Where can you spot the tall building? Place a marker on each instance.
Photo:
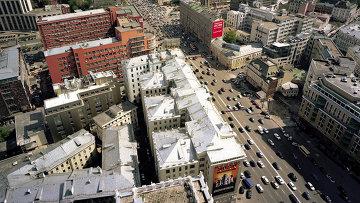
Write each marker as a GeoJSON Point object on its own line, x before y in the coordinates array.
{"type": "Point", "coordinates": [202, 21]}
{"type": "Point", "coordinates": [185, 131]}
{"type": "Point", "coordinates": [14, 90]}
{"type": "Point", "coordinates": [354, 53]}
{"type": "Point", "coordinates": [330, 104]}
{"type": "Point", "coordinates": [78, 101]}
{"type": "Point", "coordinates": [347, 36]}
{"type": "Point", "coordinates": [344, 11]}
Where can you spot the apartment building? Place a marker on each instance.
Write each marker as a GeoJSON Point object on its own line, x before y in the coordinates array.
{"type": "Point", "coordinates": [347, 36]}
{"type": "Point", "coordinates": [118, 115]}
{"type": "Point", "coordinates": [330, 104]}
{"type": "Point", "coordinates": [354, 53]}
{"type": "Point", "coordinates": [344, 11]}
{"type": "Point", "coordinates": [189, 131]}
{"type": "Point", "coordinates": [30, 130]}
{"type": "Point", "coordinates": [14, 89]}
{"type": "Point", "coordinates": [252, 14]}
{"type": "Point", "coordinates": [233, 56]}
{"type": "Point", "coordinates": [137, 66]}
{"type": "Point", "coordinates": [301, 6]}
{"type": "Point", "coordinates": [205, 23]}
{"type": "Point", "coordinates": [78, 101]}
{"type": "Point", "coordinates": [264, 32]}
{"type": "Point", "coordinates": [324, 7]}
{"type": "Point", "coordinates": [235, 19]}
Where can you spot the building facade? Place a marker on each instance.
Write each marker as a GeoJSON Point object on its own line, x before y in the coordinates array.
{"type": "Point", "coordinates": [347, 36]}
{"type": "Point", "coordinates": [301, 6]}
{"type": "Point", "coordinates": [344, 11]}
{"type": "Point", "coordinates": [235, 19]}
{"type": "Point", "coordinates": [289, 89]}
{"type": "Point", "coordinates": [14, 89]}
{"type": "Point", "coordinates": [354, 53]}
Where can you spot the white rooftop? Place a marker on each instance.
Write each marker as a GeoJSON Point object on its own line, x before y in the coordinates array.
{"type": "Point", "coordinates": [152, 80]}
{"type": "Point", "coordinates": [289, 85]}
{"type": "Point", "coordinates": [73, 15]}
{"type": "Point", "coordinates": [9, 63]}
{"type": "Point", "coordinates": [159, 107]}
{"type": "Point", "coordinates": [234, 51]}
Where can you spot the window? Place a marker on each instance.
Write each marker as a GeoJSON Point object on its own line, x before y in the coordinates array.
{"type": "Point", "coordinates": [192, 166]}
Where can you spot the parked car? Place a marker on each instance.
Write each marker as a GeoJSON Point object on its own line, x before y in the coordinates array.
{"type": "Point", "coordinates": [251, 119]}
{"type": "Point", "coordinates": [250, 141]}
{"type": "Point", "coordinates": [259, 188]}
{"type": "Point", "coordinates": [271, 142]}
{"type": "Point", "coordinates": [279, 180]}
{"type": "Point", "coordinates": [246, 163]}
{"type": "Point", "coordinates": [261, 121]}
{"type": "Point", "coordinates": [248, 128]}
{"type": "Point", "coordinates": [306, 195]}
{"type": "Point", "coordinates": [265, 180]}
{"type": "Point", "coordinates": [260, 154]}
{"type": "Point", "coordinates": [248, 194]}
{"type": "Point", "coordinates": [247, 174]}
{"type": "Point", "coordinates": [310, 186]}
{"type": "Point", "coordinates": [230, 118]}
{"type": "Point", "coordinates": [241, 190]}
{"type": "Point", "coordinates": [277, 136]}
{"type": "Point", "coordinates": [276, 166]}
{"type": "Point", "coordinates": [252, 163]}
{"type": "Point", "coordinates": [292, 186]}
{"type": "Point", "coordinates": [247, 146]}
{"type": "Point", "coordinates": [274, 185]}
{"type": "Point", "coordinates": [292, 177]}
{"type": "Point", "coordinates": [260, 164]}
{"type": "Point", "coordinates": [241, 130]}
{"type": "Point", "coordinates": [279, 154]}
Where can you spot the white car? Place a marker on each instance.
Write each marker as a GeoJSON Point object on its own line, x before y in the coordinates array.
{"type": "Point", "coordinates": [292, 186]}
{"type": "Point", "coordinates": [271, 142]}
{"type": "Point", "coordinates": [259, 188]}
{"type": "Point", "coordinates": [261, 130]}
{"type": "Point", "coordinates": [264, 180]}
{"type": "Point", "coordinates": [228, 106]}
{"type": "Point", "coordinates": [246, 163]}
{"type": "Point", "coordinates": [266, 130]}
{"type": "Point", "coordinates": [249, 111]}
{"type": "Point", "coordinates": [250, 141]}
{"type": "Point", "coordinates": [277, 136]}
{"type": "Point", "coordinates": [279, 180]}
{"type": "Point", "coordinates": [310, 185]}
{"type": "Point", "coordinates": [260, 164]}
{"type": "Point", "coordinates": [242, 176]}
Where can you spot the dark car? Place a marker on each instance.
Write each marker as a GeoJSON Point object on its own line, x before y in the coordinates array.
{"type": "Point", "coordinates": [293, 177]}
{"type": "Point", "coordinates": [252, 163]}
{"type": "Point", "coordinates": [326, 198]}
{"type": "Point", "coordinates": [232, 125]}
{"type": "Point", "coordinates": [228, 98]}
{"type": "Point", "coordinates": [230, 118]}
{"type": "Point", "coordinates": [276, 166]}
{"type": "Point", "coordinates": [202, 72]}
{"type": "Point", "coordinates": [261, 121]}
{"type": "Point", "coordinates": [206, 83]}
{"type": "Point", "coordinates": [293, 198]}
{"type": "Point", "coordinates": [219, 92]}
{"type": "Point", "coordinates": [248, 194]}
{"type": "Point", "coordinates": [247, 174]}
{"type": "Point", "coordinates": [259, 154]}
{"type": "Point", "coordinates": [306, 195]}
{"type": "Point", "coordinates": [222, 89]}
{"type": "Point", "coordinates": [222, 112]}
{"type": "Point", "coordinates": [212, 83]}
{"type": "Point", "coordinates": [251, 108]}
{"type": "Point", "coordinates": [279, 154]}
{"type": "Point", "coordinates": [241, 130]}
{"type": "Point", "coordinates": [248, 128]}
{"type": "Point", "coordinates": [247, 146]}
{"type": "Point", "coordinates": [241, 189]}
{"type": "Point", "coordinates": [251, 119]}
{"type": "Point", "coordinates": [201, 77]}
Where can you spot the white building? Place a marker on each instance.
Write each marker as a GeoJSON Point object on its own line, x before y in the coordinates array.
{"type": "Point", "coordinates": [235, 19]}
{"type": "Point", "coordinates": [289, 89]}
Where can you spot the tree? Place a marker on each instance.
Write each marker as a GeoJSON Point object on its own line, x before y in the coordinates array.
{"type": "Point", "coordinates": [230, 37]}
{"type": "Point", "coordinates": [4, 133]}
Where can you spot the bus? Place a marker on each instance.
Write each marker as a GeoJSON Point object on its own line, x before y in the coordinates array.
{"type": "Point", "coordinates": [305, 151]}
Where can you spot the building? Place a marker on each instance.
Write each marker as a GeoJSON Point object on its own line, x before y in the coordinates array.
{"type": "Point", "coordinates": [242, 36]}
{"type": "Point", "coordinates": [204, 23]}
{"type": "Point", "coordinates": [234, 4]}
{"type": "Point", "coordinates": [235, 19]}
{"type": "Point", "coordinates": [78, 101]}
{"type": "Point", "coordinates": [344, 11]}
{"type": "Point", "coordinates": [263, 32]}
{"type": "Point", "coordinates": [347, 36]}
{"type": "Point", "coordinates": [30, 130]}
{"type": "Point", "coordinates": [324, 7]}
{"type": "Point", "coordinates": [289, 89]}
{"type": "Point", "coordinates": [330, 104]}
{"type": "Point", "coordinates": [301, 6]}
{"type": "Point", "coordinates": [118, 115]}
{"type": "Point", "coordinates": [354, 53]}
{"type": "Point", "coordinates": [234, 56]}
{"type": "Point", "coordinates": [163, 2]}
{"type": "Point", "coordinates": [263, 75]}
{"type": "Point", "coordinates": [14, 90]}
{"type": "Point", "coordinates": [135, 67]}
{"type": "Point", "coordinates": [325, 48]}
{"type": "Point", "coordinates": [217, 4]}
{"type": "Point", "coordinates": [188, 133]}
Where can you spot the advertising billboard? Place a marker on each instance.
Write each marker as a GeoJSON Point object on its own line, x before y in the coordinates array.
{"type": "Point", "coordinates": [217, 28]}
{"type": "Point", "coordinates": [224, 178]}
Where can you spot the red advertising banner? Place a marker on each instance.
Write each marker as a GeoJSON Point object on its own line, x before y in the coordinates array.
{"type": "Point", "coordinates": [217, 29]}
{"type": "Point", "coordinates": [224, 178]}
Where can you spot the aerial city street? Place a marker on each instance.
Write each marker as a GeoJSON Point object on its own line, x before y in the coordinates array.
{"type": "Point", "coordinates": [180, 101]}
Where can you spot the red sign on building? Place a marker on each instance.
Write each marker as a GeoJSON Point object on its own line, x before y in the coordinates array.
{"type": "Point", "coordinates": [217, 28]}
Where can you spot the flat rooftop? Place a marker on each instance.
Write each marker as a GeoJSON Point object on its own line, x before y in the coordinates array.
{"type": "Point", "coordinates": [332, 50]}
{"type": "Point", "coordinates": [113, 112]}
{"type": "Point", "coordinates": [339, 66]}
{"type": "Point", "coordinates": [204, 10]}
{"type": "Point", "coordinates": [159, 107]}
{"type": "Point", "coordinates": [152, 80]}
{"type": "Point", "coordinates": [234, 51]}
{"type": "Point", "coordinates": [348, 87]}
{"type": "Point", "coordinates": [73, 15]}
{"type": "Point", "coordinates": [9, 63]}
{"type": "Point", "coordinates": [353, 30]}
{"type": "Point", "coordinates": [129, 10]}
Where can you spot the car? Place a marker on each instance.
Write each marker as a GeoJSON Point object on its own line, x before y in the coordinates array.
{"type": "Point", "coordinates": [247, 174]}
{"type": "Point", "coordinates": [196, 70]}
{"type": "Point", "coordinates": [224, 81]}
{"type": "Point", "coordinates": [265, 130]}
{"type": "Point", "coordinates": [231, 90]}
{"type": "Point", "coordinates": [202, 72]}
{"type": "Point", "coordinates": [294, 155]}
{"type": "Point", "coordinates": [271, 142]}
{"type": "Point", "coordinates": [234, 98]}
{"type": "Point", "coordinates": [251, 109]}
{"type": "Point", "coordinates": [241, 190]}
{"type": "Point", "coordinates": [248, 194]}
{"type": "Point", "coordinates": [260, 154]}
{"type": "Point", "coordinates": [259, 188]}
{"type": "Point", "coordinates": [232, 125]}
{"type": "Point", "coordinates": [212, 83]}
{"type": "Point", "coordinates": [253, 101]}
{"type": "Point", "coordinates": [228, 106]}
{"type": "Point", "coordinates": [251, 119]}
{"type": "Point", "coordinates": [276, 166]}
{"type": "Point", "coordinates": [241, 130]}
{"type": "Point", "coordinates": [248, 128]}
{"type": "Point", "coordinates": [247, 146]}
{"type": "Point", "coordinates": [208, 73]}
{"type": "Point", "coordinates": [265, 180]}
{"type": "Point", "coordinates": [290, 138]}
{"type": "Point", "coordinates": [260, 164]}
{"type": "Point", "coordinates": [201, 82]}
{"type": "Point", "coordinates": [326, 198]}
{"type": "Point", "coordinates": [261, 121]}
{"type": "Point", "coordinates": [267, 116]}
{"type": "Point", "coordinates": [277, 136]}
{"type": "Point", "coordinates": [310, 186]}
{"type": "Point", "coordinates": [230, 118]}
{"type": "Point", "coordinates": [213, 99]}
{"type": "Point", "coordinates": [246, 163]}
{"type": "Point", "coordinates": [250, 141]}
{"type": "Point", "coordinates": [274, 185]}
{"type": "Point", "coordinates": [286, 135]}
{"type": "Point", "coordinates": [213, 74]}
{"type": "Point", "coordinates": [205, 83]}
{"type": "Point", "coordinates": [330, 178]}
{"type": "Point", "coordinates": [248, 111]}
{"type": "Point", "coordinates": [214, 80]}
{"type": "Point", "coordinates": [219, 92]}
{"type": "Point", "coordinates": [252, 163]}
{"type": "Point", "coordinates": [222, 112]}
{"type": "Point", "coordinates": [295, 144]}
{"type": "Point", "coordinates": [239, 96]}
{"type": "Point", "coordinates": [279, 154]}
{"type": "Point", "coordinates": [222, 89]}
{"type": "Point", "coordinates": [306, 195]}
{"type": "Point", "coordinates": [228, 98]}
{"type": "Point", "coordinates": [292, 186]}
{"type": "Point", "coordinates": [293, 199]}
{"type": "Point", "coordinates": [280, 180]}
{"type": "Point", "coordinates": [201, 77]}
{"type": "Point", "coordinates": [242, 176]}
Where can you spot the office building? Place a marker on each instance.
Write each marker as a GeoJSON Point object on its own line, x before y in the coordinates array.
{"type": "Point", "coordinates": [330, 104]}
{"type": "Point", "coordinates": [14, 89]}
{"type": "Point", "coordinates": [118, 115]}
{"type": "Point", "coordinates": [30, 130]}
{"type": "Point", "coordinates": [253, 14]}
{"type": "Point", "coordinates": [354, 53]}
{"type": "Point", "coordinates": [235, 19]}
{"type": "Point", "coordinates": [344, 11]}
{"type": "Point", "coordinates": [325, 48]}
{"type": "Point", "coordinates": [263, 74]}
{"type": "Point", "coordinates": [78, 101]}
{"type": "Point", "coordinates": [135, 67]}
{"type": "Point", "coordinates": [186, 132]}
{"type": "Point", "coordinates": [289, 89]}
{"type": "Point", "coordinates": [263, 32]}
{"type": "Point", "coordinates": [324, 7]}
{"type": "Point", "coordinates": [233, 56]}
{"type": "Point", "coordinates": [301, 6]}
{"type": "Point", "coordinates": [347, 36]}
{"type": "Point", "coordinates": [205, 23]}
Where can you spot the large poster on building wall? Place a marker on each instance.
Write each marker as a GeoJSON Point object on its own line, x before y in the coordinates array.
{"type": "Point", "coordinates": [217, 28]}
{"type": "Point", "coordinates": [224, 178]}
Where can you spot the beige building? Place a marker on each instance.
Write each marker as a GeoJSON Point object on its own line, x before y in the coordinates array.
{"type": "Point", "coordinates": [354, 53]}
{"type": "Point", "coordinates": [264, 32]}
{"type": "Point", "coordinates": [289, 89]}
{"type": "Point", "coordinates": [117, 115]}
{"type": "Point", "coordinates": [30, 130]}
{"type": "Point", "coordinates": [235, 19]}
{"type": "Point", "coordinates": [233, 56]}
{"type": "Point", "coordinates": [243, 37]}
{"type": "Point", "coordinates": [78, 101]}
{"type": "Point", "coordinates": [330, 104]}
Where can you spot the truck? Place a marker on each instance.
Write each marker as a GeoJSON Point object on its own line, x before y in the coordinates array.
{"type": "Point", "coordinates": [248, 183]}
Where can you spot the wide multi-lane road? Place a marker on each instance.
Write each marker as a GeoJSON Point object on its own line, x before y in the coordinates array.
{"type": "Point", "coordinates": [240, 119]}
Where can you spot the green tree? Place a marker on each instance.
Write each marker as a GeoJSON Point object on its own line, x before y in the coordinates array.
{"type": "Point", "coordinates": [230, 37]}
{"type": "Point", "coordinates": [4, 133]}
